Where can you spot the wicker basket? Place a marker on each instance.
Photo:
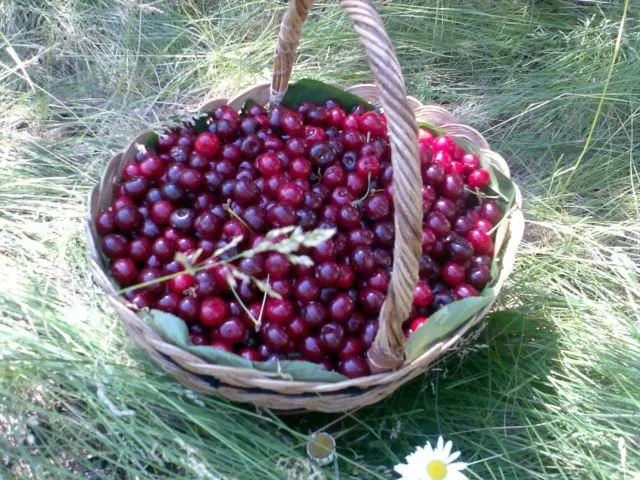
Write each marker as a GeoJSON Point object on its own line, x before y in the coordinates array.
{"type": "Point", "coordinates": [386, 355]}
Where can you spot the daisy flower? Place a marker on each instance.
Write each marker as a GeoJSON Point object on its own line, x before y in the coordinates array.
{"type": "Point", "coordinates": [427, 463]}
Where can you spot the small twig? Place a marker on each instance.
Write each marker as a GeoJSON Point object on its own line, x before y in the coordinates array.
{"type": "Point", "coordinates": [366, 194]}
{"type": "Point", "coordinates": [227, 207]}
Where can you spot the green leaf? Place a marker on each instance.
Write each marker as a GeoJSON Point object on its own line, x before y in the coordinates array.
{"type": "Point", "coordinates": [309, 90]}
{"type": "Point", "coordinates": [501, 234]}
{"type": "Point", "coordinates": [175, 331]}
{"type": "Point", "coordinates": [301, 370]}
{"type": "Point", "coordinates": [152, 140]}
{"type": "Point", "coordinates": [250, 102]}
{"type": "Point", "coordinates": [200, 122]}
{"type": "Point", "coordinates": [500, 184]}
{"type": "Point", "coordinates": [445, 321]}
{"type": "Point", "coordinates": [431, 127]}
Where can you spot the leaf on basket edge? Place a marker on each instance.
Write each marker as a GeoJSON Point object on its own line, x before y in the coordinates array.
{"type": "Point", "coordinates": [246, 105]}
{"type": "Point", "coordinates": [175, 331]}
{"type": "Point", "coordinates": [310, 90]}
{"type": "Point", "coordinates": [445, 321]}
{"type": "Point", "coordinates": [431, 127]}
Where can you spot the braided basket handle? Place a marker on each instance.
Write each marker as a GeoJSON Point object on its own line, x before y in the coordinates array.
{"type": "Point", "coordinates": [387, 350]}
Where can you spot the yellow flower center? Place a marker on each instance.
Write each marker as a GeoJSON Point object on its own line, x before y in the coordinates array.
{"type": "Point", "coordinates": [437, 469]}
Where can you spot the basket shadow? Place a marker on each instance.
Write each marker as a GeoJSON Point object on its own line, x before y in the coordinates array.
{"type": "Point", "coordinates": [486, 385]}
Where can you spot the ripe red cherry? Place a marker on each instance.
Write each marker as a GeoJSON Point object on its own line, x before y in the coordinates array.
{"type": "Point", "coordinates": [127, 218]}
{"type": "Point", "coordinates": [307, 289]}
{"type": "Point", "coordinates": [443, 158]}
{"type": "Point", "coordinates": [314, 134]}
{"type": "Point", "coordinates": [331, 337]}
{"type": "Point", "coordinates": [251, 354]}
{"type": "Point", "coordinates": [348, 217]}
{"type": "Point", "coordinates": [283, 287]}
{"type": "Point", "coordinates": [346, 277]}
{"type": "Point", "coordinates": [371, 300]}
{"type": "Point", "coordinates": [422, 295]}
{"type": "Point", "coordinates": [205, 283]}
{"type": "Point", "coordinates": [277, 266]}
{"type": "Point", "coordinates": [369, 332]}
{"type": "Point", "coordinates": [438, 224]}
{"type": "Point", "coordinates": [491, 211]}
{"type": "Point", "coordinates": [370, 123]}
{"type": "Point", "coordinates": [281, 215]}
{"type": "Point", "coordinates": [300, 168]}
{"type": "Point", "coordinates": [292, 124]}
{"type": "Point", "coordinates": [327, 274]}
{"type": "Point", "coordinates": [324, 252]}
{"type": "Point", "coordinates": [479, 178]}
{"type": "Point", "coordinates": [465, 290]}
{"type": "Point", "coordinates": [341, 308]}
{"type": "Point", "coordinates": [114, 245]}
{"type": "Point", "coordinates": [353, 367]}
{"type": "Point", "coordinates": [245, 192]}
{"type": "Point", "coordinates": [213, 311]}
{"type": "Point", "coordinates": [416, 323]}
{"type": "Point", "coordinates": [232, 331]}
{"type": "Point", "coordinates": [207, 144]}
{"type": "Point", "coordinates": [479, 276]}
{"type": "Point", "coordinates": [269, 164]}
{"type": "Point", "coordinates": [291, 194]}
{"type": "Point", "coordinates": [314, 314]}
{"type": "Point", "coordinates": [336, 117]}
{"type": "Point", "coordinates": [207, 225]}
{"type": "Point", "coordinates": [298, 328]}
{"type": "Point", "coordinates": [311, 350]}
{"type": "Point", "coordinates": [453, 187]}
{"type": "Point", "coordinates": [160, 212]}
{"type": "Point", "coordinates": [452, 274]}
{"type": "Point", "coordinates": [471, 162]}
{"type": "Point", "coordinates": [275, 337]}
{"type": "Point", "coordinates": [351, 347]}
{"type": "Point", "coordinates": [481, 242]}
{"type": "Point", "coordinates": [377, 207]}
{"type": "Point", "coordinates": [132, 170]}
{"type": "Point", "coordinates": [125, 272]}
{"type": "Point", "coordinates": [105, 222]}
{"type": "Point", "coordinates": [234, 228]}
{"type": "Point", "coordinates": [164, 249]}
{"type": "Point", "coordinates": [181, 283]}
{"type": "Point", "coordinates": [168, 303]}
{"type": "Point", "coordinates": [278, 311]}
{"type": "Point", "coordinates": [352, 140]}
{"type": "Point", "coordinates": [362, 260]}
{"type": "Point", "coordinates": [483, 225]}
{"type": "Point", "coordinates": [368, 165]}
{"type": "Point", "coordinates": [443, 142]}
{"type": "Point", "coordinates": [351, 122]}
{"type": "Point", "coordinates": [140, 249]}
{"type": "Point", "coordinates": [456, 168]}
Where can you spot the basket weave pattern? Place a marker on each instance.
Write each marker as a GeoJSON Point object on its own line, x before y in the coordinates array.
{"type": "Point", "coordinates": [386, 355]}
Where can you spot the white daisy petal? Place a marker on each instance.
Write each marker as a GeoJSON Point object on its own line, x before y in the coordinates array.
{"type": "Point", "coordinates": [427, 449]}
{"type": "Point", "coordinates": [456, 467]}
{"type": "Point", "coordinates": [447, 448]}
{"type": "Point", "coordinates": [453, 457]}
{"type": "Point", "coordinates": [402, 469]}
{"type": "Point", "coordinates": [440, 443]}
{"type": "Point", "coordinates": [457, 476]}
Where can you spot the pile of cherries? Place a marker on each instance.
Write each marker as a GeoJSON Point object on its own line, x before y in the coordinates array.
{"type": "Point", "coordinates": [316, 166]}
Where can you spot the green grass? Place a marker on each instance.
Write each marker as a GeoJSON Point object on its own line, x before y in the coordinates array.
{"type": "Point", "coordinates": [547, 389]}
